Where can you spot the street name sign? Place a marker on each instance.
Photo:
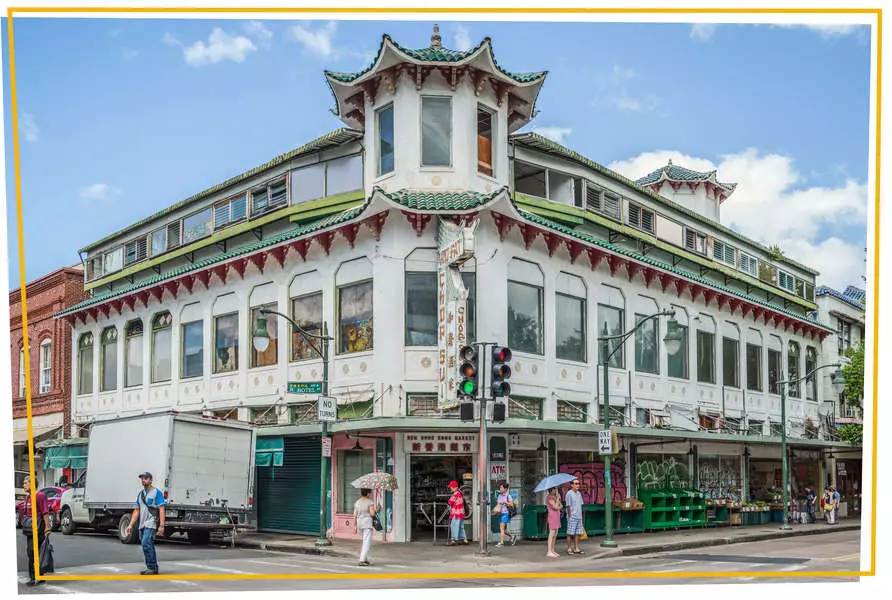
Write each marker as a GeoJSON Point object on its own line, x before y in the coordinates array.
{"type": "Point", "coordinates": [304, 387]}
{"type": "Point", "coordinates": [327, 408]}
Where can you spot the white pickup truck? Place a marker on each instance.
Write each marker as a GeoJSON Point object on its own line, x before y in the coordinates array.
{"type": "Point", "coordinates": [204, 466]}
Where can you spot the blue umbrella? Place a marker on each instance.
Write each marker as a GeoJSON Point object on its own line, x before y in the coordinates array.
{"type": "Point", "coordinates": [556, 480]}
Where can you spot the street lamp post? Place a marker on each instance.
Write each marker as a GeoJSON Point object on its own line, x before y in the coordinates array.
{"type": "Point", "coordinates": [838, 382]}
{"type": "Point", "coordinates": [261, 343]}
{"type": "Point", "coordinates": [672, 341]}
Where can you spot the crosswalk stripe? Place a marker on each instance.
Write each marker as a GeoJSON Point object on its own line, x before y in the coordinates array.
{"type": "Point", "coordinates": [210, 568]}
{"type": "Point", "coordinates": [854, 556]}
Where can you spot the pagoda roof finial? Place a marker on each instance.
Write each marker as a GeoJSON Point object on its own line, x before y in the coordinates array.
{"type": "Point", "coordinates": [436, 40]}
{"type": "Point", "coordinates": [670, 162]}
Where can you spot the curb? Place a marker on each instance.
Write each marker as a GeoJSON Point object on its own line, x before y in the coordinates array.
{"type": "Point", "coordinates": [290, 549]}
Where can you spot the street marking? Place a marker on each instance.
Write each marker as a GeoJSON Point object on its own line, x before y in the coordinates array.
{"type": "Point", "coordinates": [719, 562]}
{"type": "Point", "coordinates": [793, 568]}
{"type": "Point", "coordinates": [854, 556]}
{"type": "Point", "coordinates": [111, 568]}
{"type": "Point", "coordinates": [670, 570]}
{"type": "Point", "coordinates": [210, 568]}
{"type": "Point", "coordinates": [184, 582]}
{"type": "Point", "coordinates": [57, 588]}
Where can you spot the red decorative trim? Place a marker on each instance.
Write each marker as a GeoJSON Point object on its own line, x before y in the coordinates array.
{"type": "Point", "coordinates": [129, 302]}
{"type": "Point", "coordinates": [693, 185]}
{"type": "Point", "coordinates": [632, 269]}
{"type": "Point", "coordinates": [92, 313]}
{"type": "Point", "coordinates": [324, 239]}
{"type": "Point", "coordinates": [552, 242]}
{"type": "Point", "coordinates": [503, 224]}
{"type": "Point", "coordinates": [709, 295]}
{"type": "Point", "coordinates": [721, 300]}
{"type": "Point", "coordinates": [575, 249]}
{"type": "Point", "coordinates": [614, 262]}
{"type": "Point", "coordinates": [173, 287]}
{"type": "Point", "coordinates": [797, 327]}
{"type": "Point", "coordinates": [204, 277]}
{"type": "Point", "coordinates": [375, 223]}
{"type": "Point", "coordinates": [279, 253]}
{"type": "Point", "coordinates": [665, 280]}
{"type": "Point", "coordinates": [116, 305]}
{"type": "Point", "coordinates": [221, 271]}
{"type": "Point", "coordinates": [649, 275]}
{"type": "Point", "coordinates": [680, 286]}
{"type": "Point", "coordinates": [675, 185]}
{"type": "Point", "coordinates": [696, 290]}
{"type": "Point", "coordinates": [143, 298]}
{"type": "Point", "coordinates": [350, 232]}
{"type": "Point", "coordinates": [759, 313]}
{"type": "Point", "coordinates": [70, 319]}
{"type": "Point", "coordinates": [239, 266]}
{"type": "Point", "coordinates": [302, 247]}
{"type": "Point", "coordinates": [157, 292]}
{"type": "Point", "coordinates": [746, 309]}
{"type": "Point", "coordinates": [734, 304]}
{"type": "Point", "coordinates": [418, 221]}
{"type": "Point", "coordinates": [188, 282]}
{"type": "Point", "coordinates": [258, 259]}
{"type": "Point", "coordinates": [594, 257]}
{"type": "Point", "coordinates": [103, 308]}
{"type": "Point", "coordinates": [529, 233]}
{"type": "Point", "coordinates": [822, 335]}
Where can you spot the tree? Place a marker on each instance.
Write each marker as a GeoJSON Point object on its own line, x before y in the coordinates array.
{"type": "Point", "coordinates": [851, 434]}
{"type": "Point", "coordinates": [854, 374]}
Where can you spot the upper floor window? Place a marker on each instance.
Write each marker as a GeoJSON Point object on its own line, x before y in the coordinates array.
{"type": "Point", "coordinates": [612, 318]}
{"type": "Point", "coordinates": [162, 346]}
{"type": "Point", "coordinates": [705, 356]}
{"type": "Point", "coordinates": [94, 268]}
{"type": "Point", "coordinates": [749, 265]}
{"type": "Point", "coordinates": [641, 218]}
{"type": "Point", "coordinates": [114, 260]}
{"type": "Point", "coordinates": [230, 211]}
{"type": "Point", "coordinates": [269, 196]}
{"type": "Point", "coordinates": [306, 312]}
{"type": "Point", "coordinates": [678, 362]}
{"type": "Point", "coordinates": [158, 244]}
{"type": "Point", "coordinates": [695, 241]}
{"type": "Point", "coordinates": [135, 250]}
{"type": "Point", "coordinates": [730, 362]}
{"type": "Point", "coordinates": [133, 353]}
{"type": "Point", "coordinates": [421, 309]}
{"type": "Point", "coordinates": [793, 368]}
{"type": "Point", "coordinates": [198, 225]}
{"type": "Point", "coordinates": [386, 153]}
{"type": "Point", "coordinates": [811, 363]}
{"type": "Point", "coordinates": [724, 253]}
{"type": "Point", "coordinates": [355, 316]}
{"type": "Point", "coordinates": [436, 131]}
{"type": "Point", "coordinates": [525, 327]}
{"type": "Point", "coordinates": [85, 364]}
{"type": "Point", "coordinates": [486, 124]}
{"type": "Point", "coordinates": [754, 367]}
{"type": "Point", "coordinates": [109, 359]}
{"type": "Point", "coordinates": [570, 335]}
{"type": "Point", "coordinates": [646, 346]}
{"type": "Point", "coordinates": [22, 372]}
{"type": "Point", "coordinates": [843, 335]}
{"type": "Point", "coordinates": [192, 360]}
{"type": "Point", "coordinates": [786, 281]}
{"type": "Point", "coordinates": [602, 201]}
{"type": "Point", "coordinates": [46, 365]}
{"type": "Point", "coordinates": [774, 371]}
{"type": "Point", "coordinates": [226, 343]}
{"type": "Point", "coordinates": [270, 355]}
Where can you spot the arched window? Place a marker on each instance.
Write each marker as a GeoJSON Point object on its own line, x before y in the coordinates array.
{"type": "Point", "coordinates": [162, 332]}
{"type": "Point", "coordinates": [133, 358]}
{"type": "Point", "coordinates": [85, 364]}
{"type": "Point", "coordinates": [793, 372]}
{"type": "Point", "coordinates": [46, 365]}
{"type": "Point", "coordinates": [109, 358]}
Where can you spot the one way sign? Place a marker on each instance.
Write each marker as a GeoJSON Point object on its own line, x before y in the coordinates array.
{"type": "Point", "coordinates": [605, 442]}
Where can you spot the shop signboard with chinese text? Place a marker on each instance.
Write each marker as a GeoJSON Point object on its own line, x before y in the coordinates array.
{"type": "Point", "coordinates": [441, 443]}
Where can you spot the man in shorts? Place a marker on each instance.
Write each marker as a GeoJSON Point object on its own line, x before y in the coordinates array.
{"type": "Point", "coordinates": [573, 501]}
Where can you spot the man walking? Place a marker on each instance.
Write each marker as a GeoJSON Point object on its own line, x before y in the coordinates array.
{"type": "Point", "coordinates": [573, 500]}
{"type": "Point", "coordinates": [34, 509]}
{"type": "Point", "coordinates": [810, 498]}
{"type": "Point", "coordinates": [150, 512]}
{"type": "Point", "coordinates": [457, 512]}
{"type": "Point", "coordinates": [835, 498]}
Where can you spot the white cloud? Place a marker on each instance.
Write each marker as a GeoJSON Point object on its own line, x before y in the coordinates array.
{"type": "Point", "coordinates": [28, 128]}
{"type": "Point", "coordinates": [614, 89]}
{"type": "Point", "coordinates": [259, 33]}
{"type": "Point", "coordinates": [556, 134]}
{"type": "Point", "coordinates": [461, 38]}
{"type": "Point", "coordinates": [827, 31]}
{"type": "Point", "coordinates": [99, 191]}
{"type": "Point", "coordinates": [319, 41]}
{"type": "Point", "coordinates": [771, 206]}
{"type": "Point", "coordinates": [129, 52]}
{"type": "Point", "coordinates": [220, 46]}
{"type": "Point", "coordinates": [702, 32]}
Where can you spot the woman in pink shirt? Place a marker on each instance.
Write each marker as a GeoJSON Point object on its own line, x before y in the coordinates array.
{"type": "Point", "coordinates": [553, 505]}
{"type": "Point", "coordinates": [457, 512]}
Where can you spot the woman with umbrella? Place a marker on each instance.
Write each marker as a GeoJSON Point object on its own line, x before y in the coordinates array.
{"type": "Point", "coordinates": [365, 511]}
{"type": "Point", "coordinates": [553, 506]}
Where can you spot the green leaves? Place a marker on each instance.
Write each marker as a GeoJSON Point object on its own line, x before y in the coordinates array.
{"type": "Point", "coordinates": [854, 374]}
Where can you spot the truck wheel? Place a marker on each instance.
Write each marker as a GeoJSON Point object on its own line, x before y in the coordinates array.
{"type": "Point", "coordinates": [66, 523]}
{"type": "Point", "coordinates": [199, 537]}
{"type": "Point", "coordinates": [122, 531]}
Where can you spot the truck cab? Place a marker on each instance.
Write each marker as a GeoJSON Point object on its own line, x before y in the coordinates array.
{"type": "Point", "coordinates": [72, 513]}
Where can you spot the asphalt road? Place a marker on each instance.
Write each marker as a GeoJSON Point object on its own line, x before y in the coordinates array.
{"type": "Point", "coordinates": [99, 554]}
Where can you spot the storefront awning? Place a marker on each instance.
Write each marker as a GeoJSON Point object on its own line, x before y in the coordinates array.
{"type": "Point", "coordinates": [64, 457]}
{"type": "Point", "coordinates": [20, 436]}
{"type": "Point", "coordinates": [270, 451]}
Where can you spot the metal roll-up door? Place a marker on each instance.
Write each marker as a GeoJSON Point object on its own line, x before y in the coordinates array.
{"type": "Point", "coordinates": [288, 496]}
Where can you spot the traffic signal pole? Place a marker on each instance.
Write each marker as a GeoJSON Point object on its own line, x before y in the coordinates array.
{"type": "Point", "coordinates": [482, 456]}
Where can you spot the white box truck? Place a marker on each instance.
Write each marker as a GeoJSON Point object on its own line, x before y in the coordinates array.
{"type": "Point", "coordinates": [204, 466]}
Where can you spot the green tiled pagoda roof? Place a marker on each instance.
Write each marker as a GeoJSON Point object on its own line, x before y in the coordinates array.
{"type": "Point", "coordinates": [676, 173]}
{"type": "Point", "coordinates": [332, 138]}
{"type": "Point", "coordinates": [423, 200]}
{"type": "Point", "coordinates": [436, 55]}
{"type": "Point", "coordinates": [659, 264]}
{"type": "Point", "coordinates": [296, 232]}
{"type": "Point", "coordinates": [538, 142]}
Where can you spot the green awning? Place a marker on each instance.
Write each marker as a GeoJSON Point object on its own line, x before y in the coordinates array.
{"type": "Point", "coordinates": [63, 457]}
{"type": "Point", "coordinates": [270, 451]}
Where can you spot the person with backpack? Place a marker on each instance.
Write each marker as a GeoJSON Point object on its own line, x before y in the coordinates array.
{"type": "Point", "coordinates": [35, 509]}
{"type": "Point", "coordinates": [505, 509]}
{"type": "Point", "coordinates": [458, 512]}
{"type": "Point", "coordinates": [150, 512]}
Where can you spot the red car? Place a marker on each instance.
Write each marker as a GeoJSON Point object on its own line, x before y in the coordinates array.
{"type": "Point", "coordinates": [53, 498]}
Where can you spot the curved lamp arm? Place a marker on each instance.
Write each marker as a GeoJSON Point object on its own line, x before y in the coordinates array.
{"type": "Point", "coordinates": [810, 373]}
{"type": "Point", "coordinates": [301, 330]}
{"type": "Point", "coordinates": [669, 312]}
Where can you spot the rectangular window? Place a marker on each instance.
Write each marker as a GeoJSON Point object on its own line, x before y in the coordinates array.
{"type": "Point", "coordinates": [570, 327]}
{"type": "Point", "coordinates": [470, 281]}
{"type": "Point", "coordinates": [226, 343]}
{"type": "Point", "coordinates": [774, 371]}
{"type": "Point", "coordinates": [809, 292]}
{"type": "Point", "coordinates": [307, 183]}
{"type": "Point", "coordinates": [793, 351]}
{"type": "Point", "coordinates": [730, 362]}
{"type": "Point", "coordinates": [612, 204]}
{"type": "Point", "coordinates": [525, 318]}
{"type": "Point", "coordinates": [193, 349]}
{"type": "Point", "coordinates": [525, 408]}
{"type": "Point", "coordinates": [811, 362]}
{"type": "Point", "coordinates": [114, 260]}
{"type": "Point", "coordinates": [270, 356]}
{"type": "Point", "coordinates": [135, 251]}
{"type": "Point", "coordinates": [109, 356]}
{"type": "Point", "coordinates": [754, 367]}
{"type": "Point", "coordinates": [843, 335]}
{"type": "Point", "coordinates": [641, 218]}
{"type": "Point", "coordinates": [756, 427]}
{"type": "Point", "coordinates": [385, 140]}
{"type": "Point", "coordinates": [198, 225]}
{"type": "Point", "coordinates": [749, 265]}
{"type": "Point", "coordinates": [485, 137]}
{"type": "Point", "coordinates": [695, 241]}
{"type": "Point", "coordinates": [705, 357]}
{"type": "Point", "coordinates": [159, 241]}
{"type": "Point", "coordinates": [646, 346]}
{"type": "Point", "coordinates": [230, 211]}
{"type": "Point", "coordinates": [306, 312]}
{"type": "Point", "coordinates": [786, 281]}
{"type": "Point", "coordinates": [162, 340]}
{"type": "Point", "coordinates": [173, 235]}
{"type": "Point", "coordinates": [133, 354]}
{"type": "Point", "coordinates": [351, 464]}
{"type": "Point", "coordinates": [678, 362]}
{"type": "Point", "coordinates": [421, 309]}
{"type": "Point", "coordinates": [436, 131]}
{"type": "Point", "coordinates": [94, 268]}
{"type": "Point", "coordinates": [576, 412]}
{"type": "Point", "coordinates": [46, 366]}
{"type": "Point", "coordinates": [613, 318]}
{"type": "Point", "coordinates": [85, 364]}
{"type": "Point", "coordinates": [343, 175]}
{"type": "Point", "coordinates": [724, 253]}
{"type": "Point", "coordinates": [269, 196]}
{"type": "Point", "coordinates": [355, 318]}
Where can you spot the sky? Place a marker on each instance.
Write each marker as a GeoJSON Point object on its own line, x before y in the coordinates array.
{"type": "Point", "coordinates": [119, 118]}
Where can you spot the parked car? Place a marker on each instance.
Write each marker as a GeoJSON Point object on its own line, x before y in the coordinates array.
{"type": "Point", "coordinates": [53, 501]}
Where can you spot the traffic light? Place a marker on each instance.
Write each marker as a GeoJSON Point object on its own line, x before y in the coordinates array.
{"type": "Point", "coordinates": [501, 372]}
{"type": "Point", "coordinates": [467, 385]}
{"type": "Point", "coordinates": [467, 411]}
{"type": "Point", "coordinates": [498, 412]}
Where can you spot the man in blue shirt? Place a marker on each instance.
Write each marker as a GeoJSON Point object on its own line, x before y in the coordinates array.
{"type": "Point", "coordinates": [836, 498]}
{"type": "Point", "coordinates": [150, 512]}
{"type": "Point", "coordinates": [573, 500]}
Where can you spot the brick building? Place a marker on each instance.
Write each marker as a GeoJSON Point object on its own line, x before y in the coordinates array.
{"type": "Point", "coordinates": [49, 342]}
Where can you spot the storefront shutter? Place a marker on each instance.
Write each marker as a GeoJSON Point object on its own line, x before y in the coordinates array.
{"type": "Point", "coordinates": [288, 495]}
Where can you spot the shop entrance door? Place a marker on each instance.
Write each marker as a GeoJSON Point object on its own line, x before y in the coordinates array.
{"type": "Point", "coordinates": [429, 494]}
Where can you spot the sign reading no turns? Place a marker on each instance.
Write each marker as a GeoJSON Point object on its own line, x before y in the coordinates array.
{"type": "Point", "coordinates": [327, 408]}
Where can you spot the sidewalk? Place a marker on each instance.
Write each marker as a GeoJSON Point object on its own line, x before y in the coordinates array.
{"type": "Point", "coordinates": [531, 550]}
